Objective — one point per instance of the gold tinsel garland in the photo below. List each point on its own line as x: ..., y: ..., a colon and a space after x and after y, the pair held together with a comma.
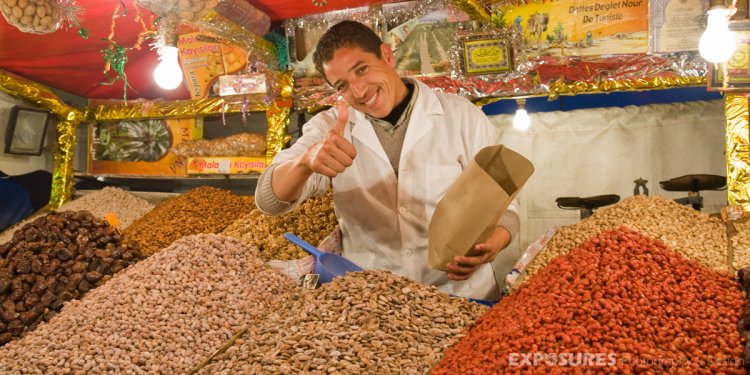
x: 572, y: 88
x: 738, y: 152
x: 277, y: 113
x: 277, y: 116
x: 68, y: 120
x: 476, y: 11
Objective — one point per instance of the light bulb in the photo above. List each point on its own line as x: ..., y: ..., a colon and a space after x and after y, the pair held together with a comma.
x: 521, y: 120
x: 717, y: 44
x: 168, y: 74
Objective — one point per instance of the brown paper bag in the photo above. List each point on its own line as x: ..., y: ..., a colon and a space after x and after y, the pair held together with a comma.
x: 470, y: 209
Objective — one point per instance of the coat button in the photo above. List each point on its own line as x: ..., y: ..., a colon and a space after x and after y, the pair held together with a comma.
x: 402, y: 210
x: 408, y: 252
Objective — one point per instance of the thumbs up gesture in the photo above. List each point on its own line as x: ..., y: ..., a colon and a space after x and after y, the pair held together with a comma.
x: 334, y: 154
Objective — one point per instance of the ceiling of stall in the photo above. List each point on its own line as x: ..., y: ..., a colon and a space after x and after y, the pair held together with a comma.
x: 66, y: 61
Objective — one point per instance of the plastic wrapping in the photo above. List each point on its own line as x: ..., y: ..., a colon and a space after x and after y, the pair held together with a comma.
x: 181, y: 10
x: 33, y: 16
x: 238, y: 11
x: 242, y: 84
x: 514, y: 276
x: 244, y: 14
x: 241, y: 144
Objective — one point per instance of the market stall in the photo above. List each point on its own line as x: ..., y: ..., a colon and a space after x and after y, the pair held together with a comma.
x: 199, y: 281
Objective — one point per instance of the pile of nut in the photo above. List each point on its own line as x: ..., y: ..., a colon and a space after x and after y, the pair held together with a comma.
x: 54, y: 259
x: 127, y: 207
x: 32, y: 16
x: 741, y: 245
x: 312, y: 221
x: 184, y: 10
x: 365, y: 322
x: 240, y: 144
x: 690, y: 232
x: 201, y: 210
x: 163, y: 315
x: 620, y: 303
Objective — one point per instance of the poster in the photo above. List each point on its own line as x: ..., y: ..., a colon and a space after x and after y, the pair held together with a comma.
x: 140, y: 148
x: 581, y: 27
x: 677, y: 25
x: 422, y: 44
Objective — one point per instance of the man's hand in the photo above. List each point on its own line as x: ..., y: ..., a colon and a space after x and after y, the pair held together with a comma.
x: 334, y: 154
x: 463, y: 266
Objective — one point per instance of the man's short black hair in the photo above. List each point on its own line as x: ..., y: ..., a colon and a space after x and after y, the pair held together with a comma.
x: 345, y: 34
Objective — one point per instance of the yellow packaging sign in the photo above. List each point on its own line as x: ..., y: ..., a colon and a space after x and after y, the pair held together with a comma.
x: 133, y: 147
x: 234, y: 58
x: 202, y: 63
x: 225, y: 165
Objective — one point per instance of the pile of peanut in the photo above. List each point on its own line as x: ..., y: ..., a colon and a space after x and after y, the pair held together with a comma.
x: 625, y: 301
x: 201, y: 210
x: 32, y: 16
x: 690, y: 232
x: 370, y: 322
x: 124, y: 205
x: 741, y: 245
x: 312, y: 221
x: 163, y: 315
x: 52, y: 260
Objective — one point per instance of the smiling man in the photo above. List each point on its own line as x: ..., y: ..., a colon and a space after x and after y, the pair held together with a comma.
x: 390, y: 153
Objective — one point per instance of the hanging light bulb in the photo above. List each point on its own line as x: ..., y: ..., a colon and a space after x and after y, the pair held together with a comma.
x: 168, y: 74
x: 521, y: 120
x: 717, y: 44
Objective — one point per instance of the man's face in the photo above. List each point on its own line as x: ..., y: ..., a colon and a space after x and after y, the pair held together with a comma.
x: 368, y: 83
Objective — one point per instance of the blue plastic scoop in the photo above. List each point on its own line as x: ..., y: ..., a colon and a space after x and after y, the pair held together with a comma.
x: 327, y: 265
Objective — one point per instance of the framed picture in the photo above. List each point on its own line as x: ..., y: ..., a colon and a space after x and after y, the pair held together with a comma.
x: 737, y: 68
x: 486, y: 55
x: 26, y: 131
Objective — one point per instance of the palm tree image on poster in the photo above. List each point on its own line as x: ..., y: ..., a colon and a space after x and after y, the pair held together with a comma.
x: 422, y: 45
x: 147, y: 140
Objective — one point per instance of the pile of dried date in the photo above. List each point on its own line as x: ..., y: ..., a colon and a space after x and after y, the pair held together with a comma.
x: 53, y: 259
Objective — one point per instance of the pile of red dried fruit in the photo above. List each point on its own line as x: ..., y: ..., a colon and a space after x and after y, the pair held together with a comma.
x: 619, y: 303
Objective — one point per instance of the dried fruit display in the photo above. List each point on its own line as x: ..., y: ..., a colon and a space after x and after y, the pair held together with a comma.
x: 201, y: 210
x: 741, y: 245
x: 54, y: 259
x: 369, y: 322
x: 619, y: 303
x: 312, y: 221
x: 33, y: 16
x: 694, y: 234
x: 126, y: 206
x: 240, y: 144
x: 163, y: 315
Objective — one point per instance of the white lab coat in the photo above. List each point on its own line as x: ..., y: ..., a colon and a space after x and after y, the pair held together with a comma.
x: 385, y: 220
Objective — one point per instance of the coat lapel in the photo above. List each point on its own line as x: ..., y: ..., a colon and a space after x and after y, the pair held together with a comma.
x: 421, y: 121
x: 363, y: 132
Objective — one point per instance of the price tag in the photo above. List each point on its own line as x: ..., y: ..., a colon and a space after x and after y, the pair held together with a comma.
x: 224, y: 165
x: 113, y: 220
